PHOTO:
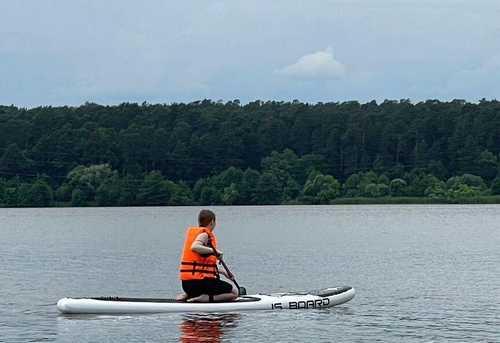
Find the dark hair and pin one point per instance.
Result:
(205, 217)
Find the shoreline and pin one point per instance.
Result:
(493, 199)
(482, 200)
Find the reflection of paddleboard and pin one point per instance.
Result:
(278, 301)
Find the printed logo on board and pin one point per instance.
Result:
(296, 305)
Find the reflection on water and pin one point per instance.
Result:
(206, 327)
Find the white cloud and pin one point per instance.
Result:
(318, 65)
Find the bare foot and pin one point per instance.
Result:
(204, 298)
(181, 297)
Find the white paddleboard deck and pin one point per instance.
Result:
(323, 298)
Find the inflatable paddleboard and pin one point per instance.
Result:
(323, 298)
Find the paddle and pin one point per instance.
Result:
(241, 290)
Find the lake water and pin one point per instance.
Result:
(422, 273)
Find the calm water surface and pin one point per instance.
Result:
(422, 273)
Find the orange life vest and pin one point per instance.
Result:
(193, 265)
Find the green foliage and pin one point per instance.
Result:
(154, 190)
(248, 188)
(371, 190)
(398, 187)
(109, 192)
(466, 179)
(128, 191)
(223, 188)
(351, 186)
(320, 189)
(8, 192)
(461, 190)
(230, 176)
(495, 186)
(191, 141)
(2, 192)
(367, 184)
(383, 179)
(15, 130)
(64, 193)
(437, 169)
(383, 189)
(436, 191)
(85, 181)
(375, 190)
(78, 198)
(230, 195)
(14, 161)
(40, 194)
(210, 196)
(268, 189)
(287, 168)
(488, 165)
(291, 190)
(261, 152)
(181, 194)
(420, 182)
(465, 186)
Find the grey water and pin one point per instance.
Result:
(422, 273)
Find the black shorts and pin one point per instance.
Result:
(194, 288)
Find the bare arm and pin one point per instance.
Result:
(200, 245)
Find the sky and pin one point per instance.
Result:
(60, 52)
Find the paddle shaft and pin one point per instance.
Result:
(241, 290)
(231, 275)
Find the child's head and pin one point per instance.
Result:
(206, 218)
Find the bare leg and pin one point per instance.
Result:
(204, 298)
(225, 297)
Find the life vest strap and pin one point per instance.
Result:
(189, 263)
(192, 271)
(197, 267)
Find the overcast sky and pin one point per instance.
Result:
(55, 52)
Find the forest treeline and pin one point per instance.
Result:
(209, 152)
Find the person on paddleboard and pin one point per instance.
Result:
(199, 273)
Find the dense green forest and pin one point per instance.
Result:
(208, 152)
